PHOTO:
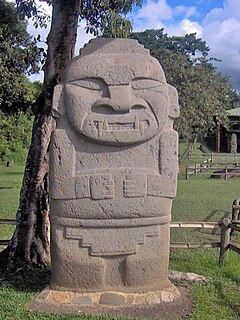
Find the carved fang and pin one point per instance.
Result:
(136, 123)
(100, 129)
(105, 124)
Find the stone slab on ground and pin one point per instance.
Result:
(177, 276)
(179, 308)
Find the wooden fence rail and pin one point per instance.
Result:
(203, 225)
(199, 168)
(195, 245)
(227, 227)
(212, 162)
(234, 248)
(7, 221)
(221, 156)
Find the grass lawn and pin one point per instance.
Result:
(199, 199)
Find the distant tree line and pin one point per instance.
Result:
(19, 57)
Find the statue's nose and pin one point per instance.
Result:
(121, 99)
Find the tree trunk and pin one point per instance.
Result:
(29, 244)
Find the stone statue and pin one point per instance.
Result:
(113, 172)
(233, 143)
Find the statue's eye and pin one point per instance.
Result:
(142, 84)
(92, 84)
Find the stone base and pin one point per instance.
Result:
(73, 300)
(63, 302)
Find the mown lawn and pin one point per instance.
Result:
(11, 179)
(199, 199)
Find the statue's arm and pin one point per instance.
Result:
(62, 166)
(168, 164)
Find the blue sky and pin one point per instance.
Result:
(216, 21)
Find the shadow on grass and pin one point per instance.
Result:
(12, 173)
(234, 277)
(5, 188)
(215, 212)
(32, 280)
(210, 218)
(229, 297)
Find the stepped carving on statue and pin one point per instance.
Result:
(113, 176)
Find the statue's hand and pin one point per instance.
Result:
(135, 185)
(102, 186)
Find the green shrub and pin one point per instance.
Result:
(15, 136)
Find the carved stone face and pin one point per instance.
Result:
(118, 99)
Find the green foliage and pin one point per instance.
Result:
(102, 17)
(204, 94)
(19, 56)
(186, 45)
(31, 94)
(15, 136)
(116, 27)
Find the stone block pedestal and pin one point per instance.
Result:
(73, 302)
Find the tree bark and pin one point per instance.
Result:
(29, 244)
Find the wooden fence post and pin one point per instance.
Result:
(195, 170)
(189, 153)
(187, 175)
(225, 239)
(226, 173)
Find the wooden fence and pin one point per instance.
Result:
(197, 168)
(226, 171)
(220, 157)
(214, 163)
(227, 228)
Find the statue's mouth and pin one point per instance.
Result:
(105, 125)
(125, 128)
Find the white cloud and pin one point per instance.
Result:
(152, 14)
(187, 11)
(221, 30)
(158, 14)
(183, 27)
(82, 37)
(189, 26)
